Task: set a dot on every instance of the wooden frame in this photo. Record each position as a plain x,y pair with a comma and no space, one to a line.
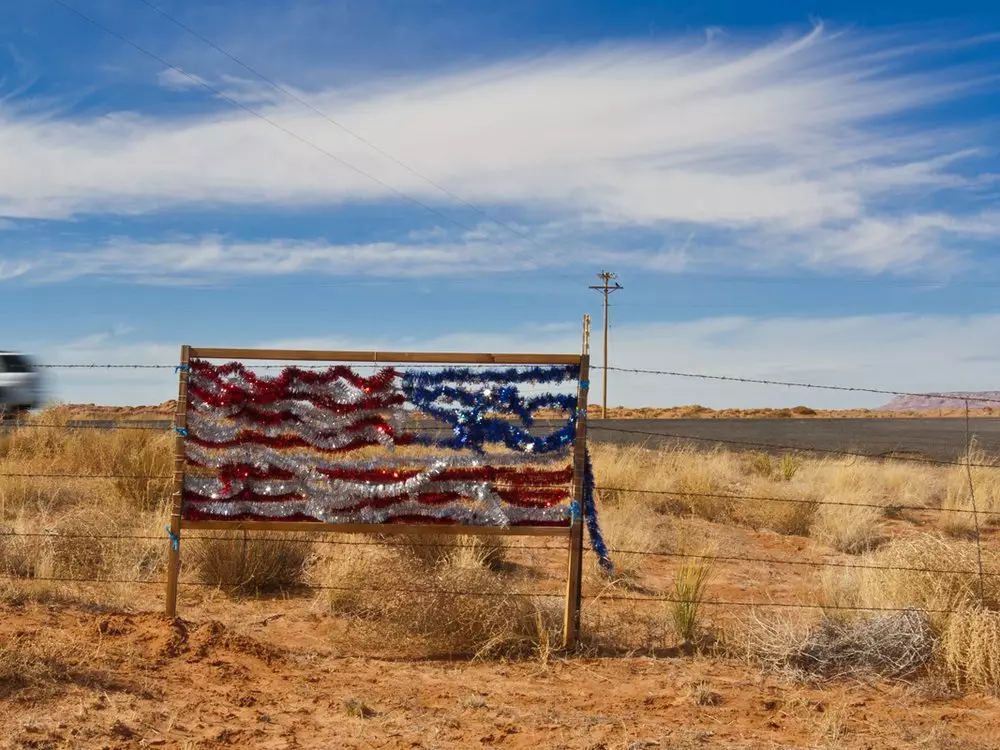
573,532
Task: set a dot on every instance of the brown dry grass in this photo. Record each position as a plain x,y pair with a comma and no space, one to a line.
463,599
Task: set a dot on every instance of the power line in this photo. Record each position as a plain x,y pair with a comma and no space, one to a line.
291,94
796,384
264,118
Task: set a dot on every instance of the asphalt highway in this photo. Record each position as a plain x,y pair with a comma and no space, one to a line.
938,439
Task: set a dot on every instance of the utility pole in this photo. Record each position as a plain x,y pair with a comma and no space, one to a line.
607,277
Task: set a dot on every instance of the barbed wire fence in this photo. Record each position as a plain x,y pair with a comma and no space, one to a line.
608,593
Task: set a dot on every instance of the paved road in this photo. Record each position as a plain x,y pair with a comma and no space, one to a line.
940,439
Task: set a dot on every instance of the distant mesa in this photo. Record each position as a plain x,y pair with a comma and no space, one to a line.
954,400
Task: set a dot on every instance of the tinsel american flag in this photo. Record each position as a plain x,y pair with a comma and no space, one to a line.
452,445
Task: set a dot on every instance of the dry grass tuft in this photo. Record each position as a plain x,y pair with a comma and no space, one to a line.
357,708
970,649
456,603
690,582
959,518
43,665
701,694
250,563
847,528
910,576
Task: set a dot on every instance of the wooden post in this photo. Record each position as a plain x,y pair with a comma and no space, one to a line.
574,578
180,461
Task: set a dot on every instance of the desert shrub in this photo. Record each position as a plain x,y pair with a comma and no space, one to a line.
760,464
906,572
961,502
431,550
895,645
791,512
246,564
803,411
631,532
846,528
970,648
451,605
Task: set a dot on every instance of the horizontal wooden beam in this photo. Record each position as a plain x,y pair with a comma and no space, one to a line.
298,355
378,528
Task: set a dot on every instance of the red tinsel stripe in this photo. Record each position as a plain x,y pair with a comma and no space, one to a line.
515,477
534,498
264,389
292,441
236,397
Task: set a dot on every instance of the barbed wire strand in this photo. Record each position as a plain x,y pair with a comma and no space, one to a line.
597,426
511,548
803,501
599,597
797,384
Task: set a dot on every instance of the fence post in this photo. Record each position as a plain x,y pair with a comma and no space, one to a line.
180,460
574,578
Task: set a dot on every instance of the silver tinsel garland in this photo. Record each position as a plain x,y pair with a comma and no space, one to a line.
459,512
302,463
224,431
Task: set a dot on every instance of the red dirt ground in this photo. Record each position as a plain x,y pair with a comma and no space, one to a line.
276,674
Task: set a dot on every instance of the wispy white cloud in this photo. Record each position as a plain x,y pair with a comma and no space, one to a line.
175,78
209,258
906,352
910,243
798,145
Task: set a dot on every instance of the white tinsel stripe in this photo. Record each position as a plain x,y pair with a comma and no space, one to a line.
305,412
302,463
338,390
458,512
223,429
213,431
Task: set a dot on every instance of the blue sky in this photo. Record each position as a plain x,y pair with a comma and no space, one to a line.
793,190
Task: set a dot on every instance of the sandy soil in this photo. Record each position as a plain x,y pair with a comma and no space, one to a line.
134,681
283,673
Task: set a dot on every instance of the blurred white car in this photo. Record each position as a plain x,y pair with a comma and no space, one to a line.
20,384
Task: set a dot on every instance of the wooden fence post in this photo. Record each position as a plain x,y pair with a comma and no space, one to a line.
574,578
180,460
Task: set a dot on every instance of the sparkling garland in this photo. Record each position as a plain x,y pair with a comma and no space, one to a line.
590,518
268,437
467,411
238,384
488,508
302,462
338,492
330,435
509,376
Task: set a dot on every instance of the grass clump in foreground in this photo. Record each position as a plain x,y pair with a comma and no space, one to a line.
454,600
250,563
938,616
690,582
